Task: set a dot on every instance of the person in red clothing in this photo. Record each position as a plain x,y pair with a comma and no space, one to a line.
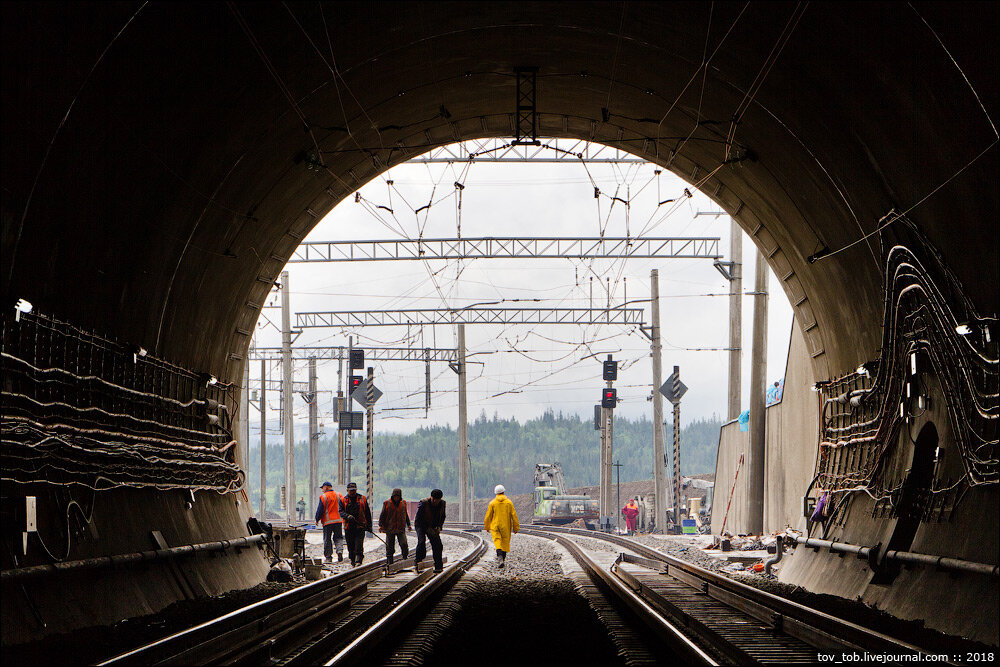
631,512
328,515
357,521
394,521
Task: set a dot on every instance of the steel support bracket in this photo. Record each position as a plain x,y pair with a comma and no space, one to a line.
725,268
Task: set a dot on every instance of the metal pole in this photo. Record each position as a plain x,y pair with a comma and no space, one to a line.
370,449
313,436
427,381
677,458
341,480
286,395
348,405
659,471
263,438
758,371
339,407
463,432
735,319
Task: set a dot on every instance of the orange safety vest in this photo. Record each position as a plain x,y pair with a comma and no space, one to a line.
331,505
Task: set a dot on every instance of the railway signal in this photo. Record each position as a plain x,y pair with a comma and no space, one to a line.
609,398
357,360
351,421
610,370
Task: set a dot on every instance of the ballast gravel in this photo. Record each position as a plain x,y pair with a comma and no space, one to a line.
523,613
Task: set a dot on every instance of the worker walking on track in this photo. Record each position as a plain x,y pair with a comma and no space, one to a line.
357,521
328,515
501,521
430,518
394,521
631,512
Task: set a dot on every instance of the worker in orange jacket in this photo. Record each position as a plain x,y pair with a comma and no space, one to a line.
631,512
328,515
394,521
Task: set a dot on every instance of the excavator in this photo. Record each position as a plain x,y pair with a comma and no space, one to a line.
553,505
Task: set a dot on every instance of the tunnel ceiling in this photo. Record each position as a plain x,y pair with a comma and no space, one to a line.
155,156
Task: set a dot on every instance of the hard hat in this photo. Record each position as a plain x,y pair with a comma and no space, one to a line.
499,489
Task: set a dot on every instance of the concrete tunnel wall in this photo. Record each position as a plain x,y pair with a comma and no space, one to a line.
154,155
790,453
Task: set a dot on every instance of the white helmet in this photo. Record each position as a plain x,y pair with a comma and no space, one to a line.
499,489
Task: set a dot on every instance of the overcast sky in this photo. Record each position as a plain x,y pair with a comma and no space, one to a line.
521,371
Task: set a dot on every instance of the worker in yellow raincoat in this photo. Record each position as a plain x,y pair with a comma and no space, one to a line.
501,521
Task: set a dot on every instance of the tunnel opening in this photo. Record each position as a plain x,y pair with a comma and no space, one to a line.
159,176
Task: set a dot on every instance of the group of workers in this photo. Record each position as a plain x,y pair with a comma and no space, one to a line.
346,518
351,514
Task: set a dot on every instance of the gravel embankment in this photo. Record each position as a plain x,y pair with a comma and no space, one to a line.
525,613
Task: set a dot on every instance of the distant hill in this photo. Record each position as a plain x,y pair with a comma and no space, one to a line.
502,451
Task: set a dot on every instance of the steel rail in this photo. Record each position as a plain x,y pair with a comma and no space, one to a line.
813,627
687,652
298,623
359,650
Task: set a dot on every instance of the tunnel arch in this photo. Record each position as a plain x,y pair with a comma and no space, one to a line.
156,175
182,166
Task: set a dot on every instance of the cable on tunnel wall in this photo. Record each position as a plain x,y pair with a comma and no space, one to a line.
83,410
930,329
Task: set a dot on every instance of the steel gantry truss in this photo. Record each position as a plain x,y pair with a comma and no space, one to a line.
371,353
548,151
508,248
385,318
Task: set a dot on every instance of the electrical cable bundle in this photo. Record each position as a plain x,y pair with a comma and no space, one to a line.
81,409
931,333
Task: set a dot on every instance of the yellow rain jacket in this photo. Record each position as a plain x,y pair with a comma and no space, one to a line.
501,520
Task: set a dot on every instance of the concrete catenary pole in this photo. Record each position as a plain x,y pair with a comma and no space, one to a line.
263,438
758,371
245,420
370,448
659,471
735,319
463,432
313,437
286,396
606,456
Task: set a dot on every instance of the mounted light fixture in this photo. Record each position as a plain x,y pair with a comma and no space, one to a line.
22,306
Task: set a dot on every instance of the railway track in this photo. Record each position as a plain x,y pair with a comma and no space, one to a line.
654,606
336,619
711,619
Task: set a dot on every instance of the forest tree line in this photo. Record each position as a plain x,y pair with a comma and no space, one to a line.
502,451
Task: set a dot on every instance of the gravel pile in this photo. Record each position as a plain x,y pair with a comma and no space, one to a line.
684,549
596,545
529,559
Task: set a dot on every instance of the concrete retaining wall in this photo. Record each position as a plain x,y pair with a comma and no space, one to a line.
790,445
